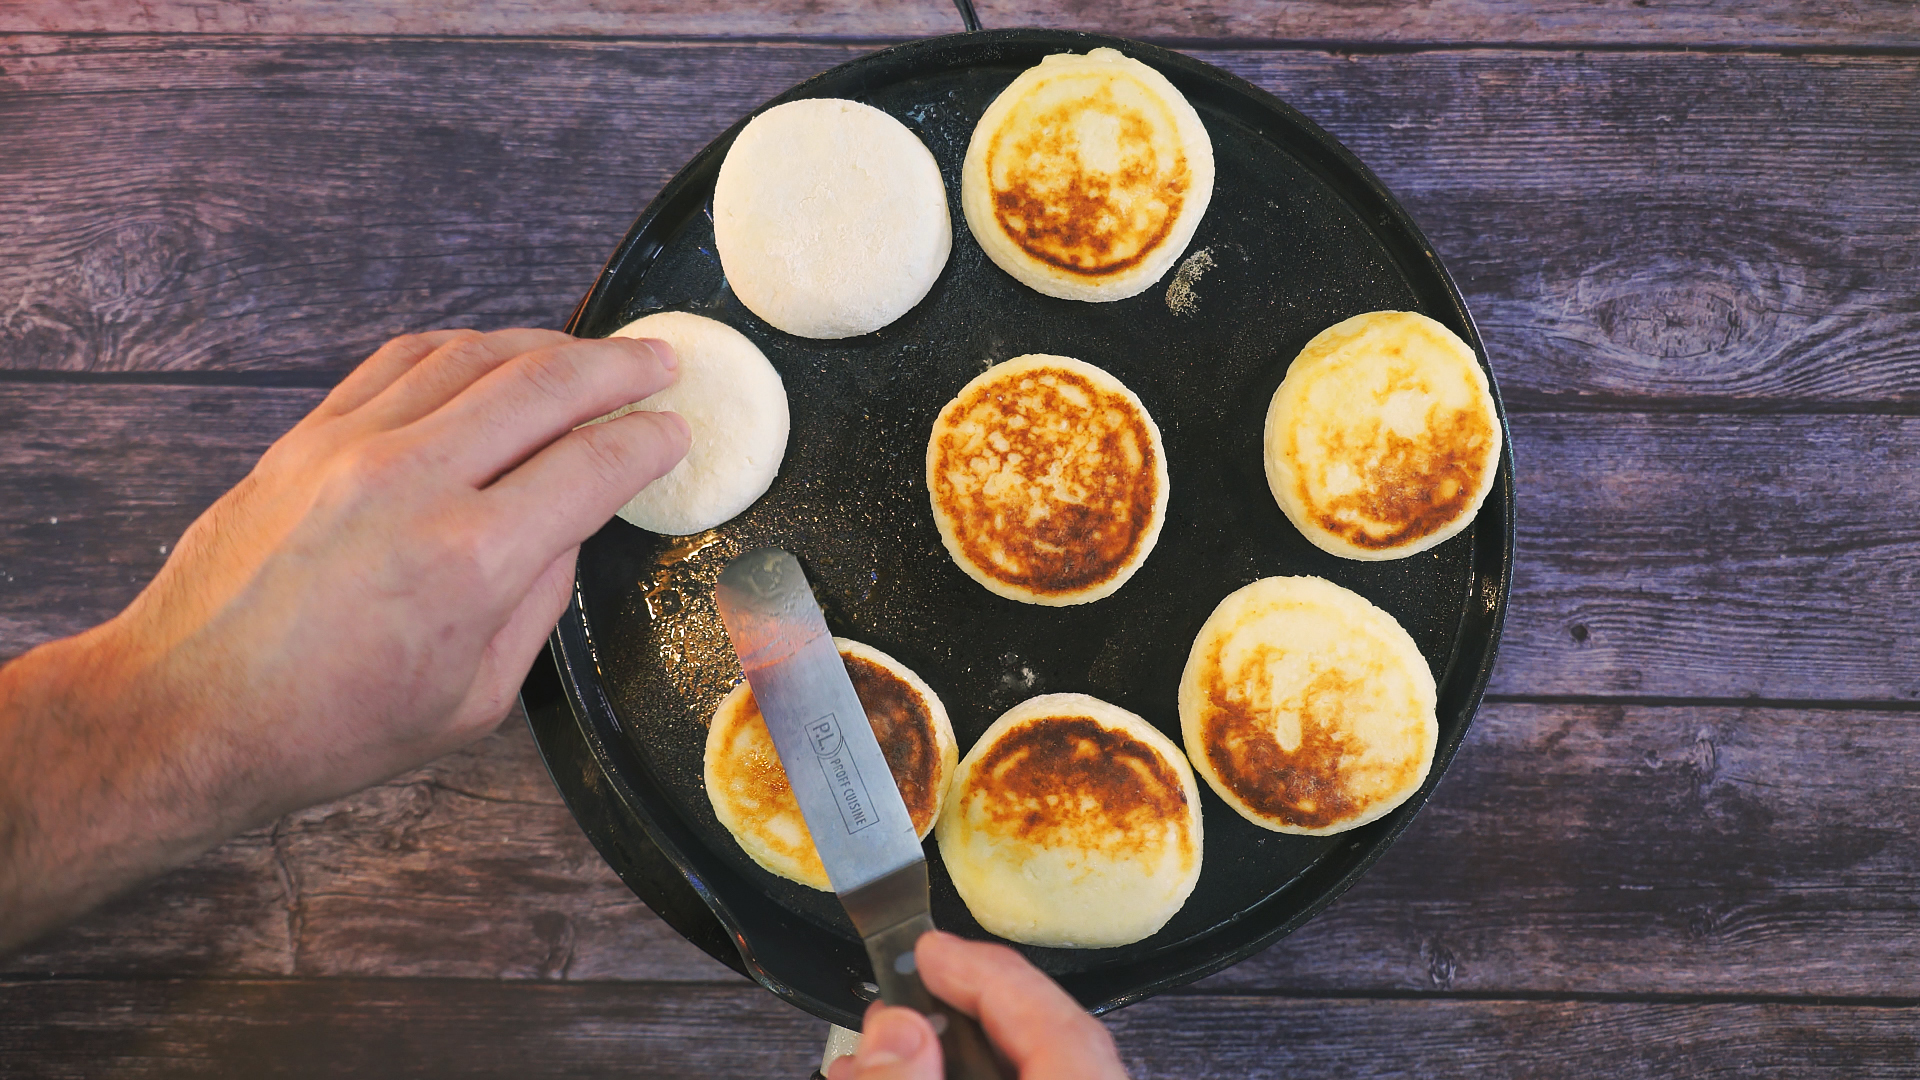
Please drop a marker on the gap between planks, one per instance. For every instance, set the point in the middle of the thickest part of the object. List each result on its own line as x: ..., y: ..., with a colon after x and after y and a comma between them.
x: 1529, y: 997
x: 1330, y: 46
x: 1523, y: 405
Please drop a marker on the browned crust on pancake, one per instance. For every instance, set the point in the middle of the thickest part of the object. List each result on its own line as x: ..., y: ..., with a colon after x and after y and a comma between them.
x: 1306, y: 788
x: 1075, y: 227
x: 904, y: 726
x: 1030, y: 785
x: 1076, y: 547
x: 901, y: 722
x: 1421, y: 485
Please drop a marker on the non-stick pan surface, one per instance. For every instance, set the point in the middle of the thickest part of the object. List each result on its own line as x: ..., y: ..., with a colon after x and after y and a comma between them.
x: 1300, y: 235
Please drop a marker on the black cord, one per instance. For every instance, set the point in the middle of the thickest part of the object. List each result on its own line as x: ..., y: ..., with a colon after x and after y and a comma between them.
x: 967, y: 15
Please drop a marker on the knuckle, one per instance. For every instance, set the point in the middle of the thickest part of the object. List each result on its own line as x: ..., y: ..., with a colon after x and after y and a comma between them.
x: 471, y: 559
x: 553, y: 373
x: 469, y: 352
x: 375, y: 466
x: 611, y: 456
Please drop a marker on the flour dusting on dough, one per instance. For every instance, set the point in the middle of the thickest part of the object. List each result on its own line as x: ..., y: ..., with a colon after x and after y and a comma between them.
x: 1181, y: 299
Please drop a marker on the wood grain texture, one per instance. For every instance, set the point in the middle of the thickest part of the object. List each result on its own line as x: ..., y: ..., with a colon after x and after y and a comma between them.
x: 407, y: 1028
x: 1569, y: 850
x: 469, y: 868
x: 399, y: 1028
x: 1631, y: 229
x: 1658, y: 555
x: 97, y: 486
x: 1715, y: 556
x: 1719, y: 22
x: 1636, y: 850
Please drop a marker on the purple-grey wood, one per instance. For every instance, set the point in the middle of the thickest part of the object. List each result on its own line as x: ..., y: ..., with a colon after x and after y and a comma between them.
x: 1685, y: 239
x: 470, y: 867
x: 1546, y: 22
x: 1651, y: 230
x: 1640, y: 850
x: 400, y: 1028
x: 440, y: 1028
x: 1662, y: 555
x: 1570, y: 850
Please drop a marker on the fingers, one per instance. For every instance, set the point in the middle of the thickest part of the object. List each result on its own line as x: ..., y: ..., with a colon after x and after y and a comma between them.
x: 388, y: 363
x: 510, y: 654
x: 530, y: 401
x: 451, y: 367
x: 564, y: 493
x: 895, y: 1044
x: 1042, y: 1030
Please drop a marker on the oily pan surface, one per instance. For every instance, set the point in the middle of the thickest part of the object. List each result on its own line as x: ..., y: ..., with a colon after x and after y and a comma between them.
x: 1291, y: 254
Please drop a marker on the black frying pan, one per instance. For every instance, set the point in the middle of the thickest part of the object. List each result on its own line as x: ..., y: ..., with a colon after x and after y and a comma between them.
x: 1301, y: 236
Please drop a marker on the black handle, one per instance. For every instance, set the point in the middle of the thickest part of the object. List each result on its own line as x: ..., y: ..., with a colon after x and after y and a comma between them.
x: 967, y: 14
x: 963, y: 1045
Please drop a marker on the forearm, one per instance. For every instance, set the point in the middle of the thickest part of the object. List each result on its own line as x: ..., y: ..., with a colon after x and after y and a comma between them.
x: 368, y: 598
x: 104, y: 779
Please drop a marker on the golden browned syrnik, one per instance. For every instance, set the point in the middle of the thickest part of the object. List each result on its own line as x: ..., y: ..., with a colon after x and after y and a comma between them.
x: 1307, y: 708
x: 1048, y: 480
x: 1086, y: 178
x: 1072, y: 823
x: 1382, y: 441
x: 749, y: 790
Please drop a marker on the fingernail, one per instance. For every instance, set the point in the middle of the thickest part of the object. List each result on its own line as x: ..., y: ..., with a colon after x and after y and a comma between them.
x: 666, y: 354
x: 891, y: 1037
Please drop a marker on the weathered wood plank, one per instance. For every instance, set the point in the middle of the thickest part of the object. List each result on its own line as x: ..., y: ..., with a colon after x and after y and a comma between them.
x: 1630, y: 228
x: 1658, y: 555
x: 1640, y: 850
x: 1877, y: 22
x: 470, y: 867
x: 1596, y: 849
x: 480, y: 1029
x: 423, y: 1028
x: 97, y: 485
x: 1716, y: 556
x: 1253, y: 1037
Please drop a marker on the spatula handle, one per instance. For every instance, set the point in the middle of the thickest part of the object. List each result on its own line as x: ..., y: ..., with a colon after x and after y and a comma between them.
x: 963, y: 1045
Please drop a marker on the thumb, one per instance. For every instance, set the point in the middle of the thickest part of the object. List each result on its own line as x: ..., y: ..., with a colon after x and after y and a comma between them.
x: 895, y: 1044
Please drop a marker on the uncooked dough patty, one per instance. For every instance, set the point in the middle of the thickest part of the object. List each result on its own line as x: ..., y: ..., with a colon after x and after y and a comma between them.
x: 1382, y: 441
x: 736, y: 407
x: 1048, y: 480
x: 1086, y: 178
x: 830, y: 218
x: 1072, y: 823
x: 1306, y: 708
x: 749, y: 789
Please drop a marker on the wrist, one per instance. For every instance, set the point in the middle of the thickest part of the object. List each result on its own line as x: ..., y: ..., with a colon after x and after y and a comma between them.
x: 104, y: 777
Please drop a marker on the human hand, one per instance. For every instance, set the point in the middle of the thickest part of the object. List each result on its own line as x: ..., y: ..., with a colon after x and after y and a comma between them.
x: 1028, y: 1018
x: 370, y: 596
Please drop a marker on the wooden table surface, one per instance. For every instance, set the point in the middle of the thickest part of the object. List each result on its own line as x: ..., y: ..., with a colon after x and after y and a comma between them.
x: 1680, y: 837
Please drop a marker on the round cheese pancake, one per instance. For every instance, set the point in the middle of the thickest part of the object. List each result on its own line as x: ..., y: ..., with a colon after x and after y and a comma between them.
x: 1048, y: 480
x: 830, y: 218
x: 749, y: 790
x: 1382, y: 440
x: 1087, y: 176
x: 1306, y: 708
x: 736, y: 407
x: 1072, y: 823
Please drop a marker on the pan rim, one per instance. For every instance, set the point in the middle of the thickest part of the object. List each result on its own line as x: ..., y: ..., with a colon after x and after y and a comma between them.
x: 1341, y: 866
